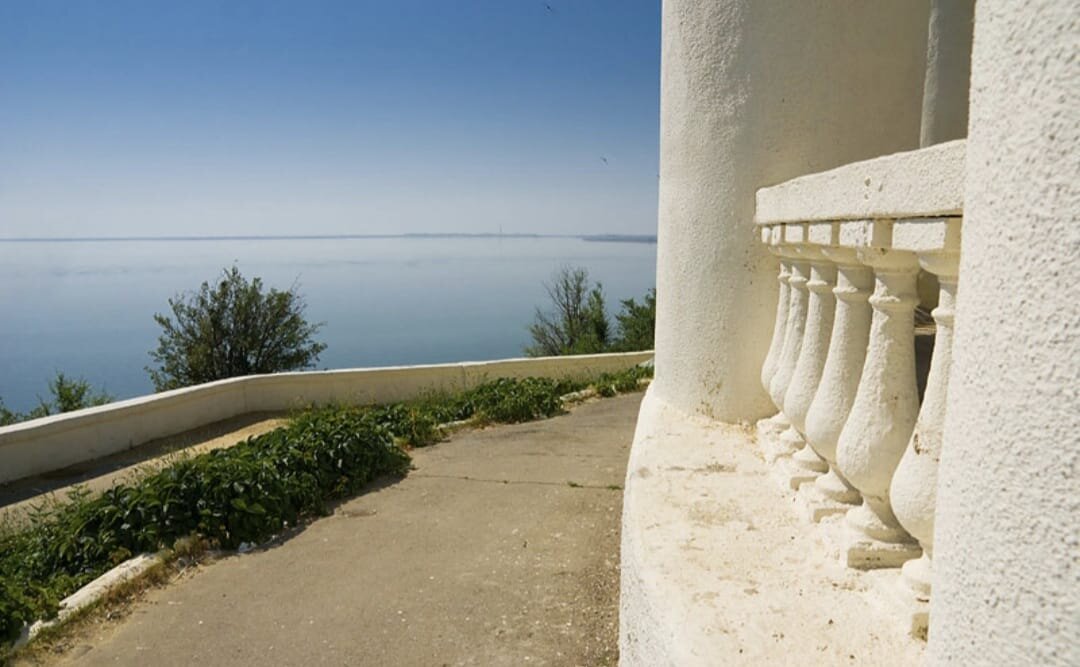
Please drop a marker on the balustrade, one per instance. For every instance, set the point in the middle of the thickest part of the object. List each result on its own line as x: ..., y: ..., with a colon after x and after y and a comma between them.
x: 914, y: 485
x: 805, y: 464
x: 771, y: 427
x: 842, y: 370
x: 831, y: 493
x: 794, y: 330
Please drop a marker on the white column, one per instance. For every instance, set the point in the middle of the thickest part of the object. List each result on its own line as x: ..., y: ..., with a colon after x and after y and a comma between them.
x: 742, y: 106
x: 805, y: 465
x: 828, y: 413
x: 882, y: 418
x: 914, y: 486
x: 948, y: 69
x: 1007, y: 526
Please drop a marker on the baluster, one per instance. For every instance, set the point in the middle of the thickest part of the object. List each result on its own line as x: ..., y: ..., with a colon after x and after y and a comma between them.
x: 831, y: 493
x: 773, y: 426
x: 794, y: 331
x: 805, y: 465
x: 914, y: 486
x: 883, y: 415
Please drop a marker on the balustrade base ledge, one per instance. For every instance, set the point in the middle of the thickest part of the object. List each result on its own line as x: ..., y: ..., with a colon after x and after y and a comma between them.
x: 864, y: 553
x: 710, y: 554
x: 771, y: 427
x: 790, y: 475
x: 816, y: 506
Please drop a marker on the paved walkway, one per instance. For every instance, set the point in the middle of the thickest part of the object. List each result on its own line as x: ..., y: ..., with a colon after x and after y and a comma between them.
x: 501, y: 548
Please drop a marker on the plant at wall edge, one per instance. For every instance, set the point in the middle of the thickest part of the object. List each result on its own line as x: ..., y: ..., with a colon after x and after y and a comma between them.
x: 232, y: 328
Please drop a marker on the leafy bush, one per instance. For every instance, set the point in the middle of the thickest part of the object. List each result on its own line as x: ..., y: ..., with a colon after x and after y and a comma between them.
x: 620, y: 382
x: 416, y: 424
x: 577, y: 322
x: 67, y: 395
x: 230, y: 329
x: 636, y: 324
x: 245, y: 493
x: 510, y: 400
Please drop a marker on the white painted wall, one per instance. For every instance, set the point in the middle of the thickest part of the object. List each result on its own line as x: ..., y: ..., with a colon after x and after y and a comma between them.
x: 1007, y: 532
x: 51, y: 443
x: 755, y: 92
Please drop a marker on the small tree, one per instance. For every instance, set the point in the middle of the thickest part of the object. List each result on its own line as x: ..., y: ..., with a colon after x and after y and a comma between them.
x: 230, y: 329
x: 67, y: 395
x: 636, y: 324
x: 577, y: 322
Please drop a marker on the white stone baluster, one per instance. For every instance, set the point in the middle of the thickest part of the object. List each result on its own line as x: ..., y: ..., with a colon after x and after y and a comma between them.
x: 831, y: 493
x: 883, y: 415
x: 914, y: 486
x: 805, y: 465
x: 789, y: 356
x: 771, y: 427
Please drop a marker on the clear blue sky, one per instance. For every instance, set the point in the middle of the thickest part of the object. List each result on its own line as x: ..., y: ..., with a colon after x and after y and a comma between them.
x: 138, y: 117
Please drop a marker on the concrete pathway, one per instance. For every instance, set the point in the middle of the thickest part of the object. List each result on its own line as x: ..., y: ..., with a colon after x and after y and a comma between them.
x: 501, y: 548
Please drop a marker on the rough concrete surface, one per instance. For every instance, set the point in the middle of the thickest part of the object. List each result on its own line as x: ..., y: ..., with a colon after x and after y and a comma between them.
x: 719, y: 567
x: 501, y: 548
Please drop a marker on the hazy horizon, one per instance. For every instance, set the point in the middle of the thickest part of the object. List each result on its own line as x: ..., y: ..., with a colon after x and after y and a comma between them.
x: 317, y: 236
x: 271, y: 118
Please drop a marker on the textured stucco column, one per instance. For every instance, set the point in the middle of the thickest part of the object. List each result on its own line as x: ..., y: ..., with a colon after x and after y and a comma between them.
x: 948, y: 68
x: 755, y: 92
x: 1007, y: 530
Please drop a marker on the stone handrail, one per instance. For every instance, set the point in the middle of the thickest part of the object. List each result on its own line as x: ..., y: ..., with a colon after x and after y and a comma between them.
x: 851, y: 435
x: 50, y: 443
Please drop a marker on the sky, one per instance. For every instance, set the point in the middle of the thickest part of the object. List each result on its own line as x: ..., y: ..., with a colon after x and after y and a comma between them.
x: 163, y: 118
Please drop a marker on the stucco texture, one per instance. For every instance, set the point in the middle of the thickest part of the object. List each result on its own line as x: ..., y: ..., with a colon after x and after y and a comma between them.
x: 1007, y: 532
x: 753, y: 93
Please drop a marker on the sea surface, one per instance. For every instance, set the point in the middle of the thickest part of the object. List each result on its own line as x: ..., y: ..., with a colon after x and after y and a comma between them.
x: 86, y: 307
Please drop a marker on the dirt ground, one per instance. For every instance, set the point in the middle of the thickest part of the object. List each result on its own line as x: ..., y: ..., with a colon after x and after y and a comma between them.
x: 500, y: 548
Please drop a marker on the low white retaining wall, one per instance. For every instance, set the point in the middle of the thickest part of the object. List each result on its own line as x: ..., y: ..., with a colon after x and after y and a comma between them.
x: 51, y: 443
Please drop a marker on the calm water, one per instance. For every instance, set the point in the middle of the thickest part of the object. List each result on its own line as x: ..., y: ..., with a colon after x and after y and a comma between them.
x: 86, y: 308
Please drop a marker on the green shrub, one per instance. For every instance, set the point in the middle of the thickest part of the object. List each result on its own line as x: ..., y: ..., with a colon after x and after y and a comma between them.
x: 415, y: 424
x: 511, y: 400
x: 621, y: 382
x: 241, y: 494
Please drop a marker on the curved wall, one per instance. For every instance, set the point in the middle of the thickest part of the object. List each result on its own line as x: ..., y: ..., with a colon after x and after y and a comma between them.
x: 755, y: 92
x: 51, y: 443
x: 1007, y: 530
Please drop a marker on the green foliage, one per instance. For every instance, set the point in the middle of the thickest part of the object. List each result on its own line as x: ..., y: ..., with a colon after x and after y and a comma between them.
x: 249, y: 492
x: 636, y: 324
x: 230, y: 329
x: 67, y: 394
x: 577, y: 322
x: 621, y: 382
x: 74, y: 394
x: 510, y: 400
x: 245, y: 493
x: 414, y: 424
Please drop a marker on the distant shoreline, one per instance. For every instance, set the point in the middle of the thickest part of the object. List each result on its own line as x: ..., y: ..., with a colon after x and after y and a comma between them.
x: 596, y: 238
